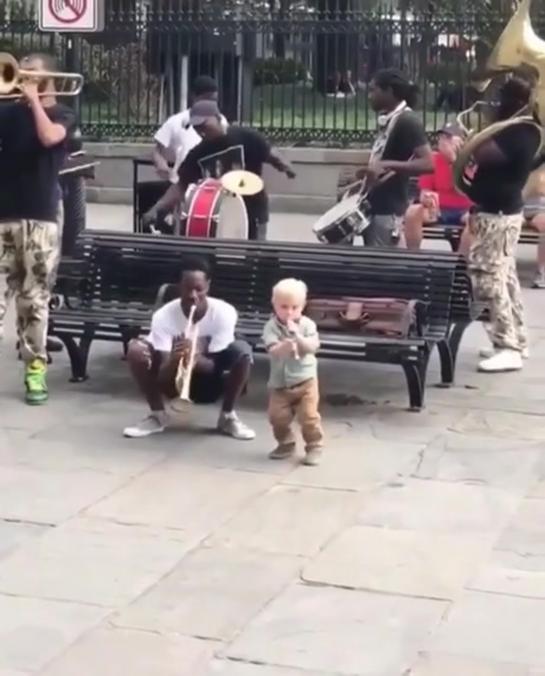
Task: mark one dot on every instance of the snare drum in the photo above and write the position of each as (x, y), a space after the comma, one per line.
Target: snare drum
(342, 222)
(212, 212)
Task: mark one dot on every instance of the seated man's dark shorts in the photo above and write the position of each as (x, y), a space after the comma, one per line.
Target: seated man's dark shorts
(207, 388)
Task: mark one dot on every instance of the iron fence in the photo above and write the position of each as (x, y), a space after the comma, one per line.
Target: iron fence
(299, 73)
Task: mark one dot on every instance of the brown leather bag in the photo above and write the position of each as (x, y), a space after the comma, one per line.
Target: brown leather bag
(392, 317)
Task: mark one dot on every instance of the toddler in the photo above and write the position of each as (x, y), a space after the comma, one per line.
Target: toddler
(292, 341)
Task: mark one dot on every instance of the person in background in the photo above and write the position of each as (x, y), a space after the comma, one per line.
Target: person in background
(401, 149)
(439, 200)
(177, 137)
(33, 135)
(219, 152)
(534, 215)
(292, 341)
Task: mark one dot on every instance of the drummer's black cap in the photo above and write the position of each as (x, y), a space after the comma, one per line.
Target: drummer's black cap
(201, 111)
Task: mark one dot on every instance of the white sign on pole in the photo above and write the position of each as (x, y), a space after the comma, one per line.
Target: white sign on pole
(72, 16)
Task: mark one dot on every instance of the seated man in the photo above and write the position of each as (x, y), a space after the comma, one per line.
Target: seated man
(534, 215)
(222, 364)
(439, 200)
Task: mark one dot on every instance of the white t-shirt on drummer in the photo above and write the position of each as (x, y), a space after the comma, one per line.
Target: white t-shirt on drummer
(178, 138)
(216, 328)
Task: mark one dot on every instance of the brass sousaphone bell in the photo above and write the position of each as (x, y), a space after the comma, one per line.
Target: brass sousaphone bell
(518, 45)
(12, 78)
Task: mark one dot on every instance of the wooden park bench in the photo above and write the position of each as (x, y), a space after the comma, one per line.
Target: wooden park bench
(108, 291)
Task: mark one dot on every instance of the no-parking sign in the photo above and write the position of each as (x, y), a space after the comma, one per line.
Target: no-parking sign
(74, 16)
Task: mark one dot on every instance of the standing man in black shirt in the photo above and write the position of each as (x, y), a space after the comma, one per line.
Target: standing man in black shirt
(32, 149)
(502, 166)
(400, 148)
(220, 151)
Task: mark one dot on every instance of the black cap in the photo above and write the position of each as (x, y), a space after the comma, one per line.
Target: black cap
(202, 111)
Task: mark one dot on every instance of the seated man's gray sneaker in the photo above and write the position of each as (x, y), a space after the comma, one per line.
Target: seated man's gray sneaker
(155, 423)
(231, 425)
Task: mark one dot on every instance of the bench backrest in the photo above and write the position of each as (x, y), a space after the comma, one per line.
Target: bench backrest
(127, 269)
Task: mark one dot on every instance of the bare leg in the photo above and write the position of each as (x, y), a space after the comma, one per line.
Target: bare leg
(141, 363)
(236, 382)
(414, 221)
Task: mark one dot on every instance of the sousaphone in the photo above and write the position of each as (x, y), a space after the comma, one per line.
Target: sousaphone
(518, 45)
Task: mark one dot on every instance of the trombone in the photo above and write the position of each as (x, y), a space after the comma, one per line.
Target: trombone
(12, 78)
(185, 368)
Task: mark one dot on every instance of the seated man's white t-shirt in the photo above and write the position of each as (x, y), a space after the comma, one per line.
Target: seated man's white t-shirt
(178, 138)
(216, 329)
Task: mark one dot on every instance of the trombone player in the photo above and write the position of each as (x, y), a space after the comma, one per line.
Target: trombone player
(33, 132)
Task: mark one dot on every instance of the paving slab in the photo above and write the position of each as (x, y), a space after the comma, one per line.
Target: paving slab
(92, 561)
(236, 668)
(525, 532)
(51, 497)
(451, 665)
(13, 534)
(511, 573)
(517, 426)
(400, 562)
(339, 631)
(184, 497)
(457, 508)
(110, 651)
(479, 460)
(33, 631)
(493, 627)
(357, 462)
(290, 520)
(212, 593)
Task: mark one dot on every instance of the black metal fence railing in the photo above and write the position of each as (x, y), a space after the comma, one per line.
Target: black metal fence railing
(300, 74)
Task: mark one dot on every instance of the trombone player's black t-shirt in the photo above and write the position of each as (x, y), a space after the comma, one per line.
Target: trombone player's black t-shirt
(29, 172)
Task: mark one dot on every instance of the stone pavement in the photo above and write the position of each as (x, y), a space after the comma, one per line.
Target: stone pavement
(417, 548)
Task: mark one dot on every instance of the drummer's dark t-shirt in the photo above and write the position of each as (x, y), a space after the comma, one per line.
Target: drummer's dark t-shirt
(29, 172)
(392, 197)
(238, 148)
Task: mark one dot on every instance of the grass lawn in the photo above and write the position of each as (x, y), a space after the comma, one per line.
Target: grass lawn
(278, 107)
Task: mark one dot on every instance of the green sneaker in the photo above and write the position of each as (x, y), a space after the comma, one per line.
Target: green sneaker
(35, 383)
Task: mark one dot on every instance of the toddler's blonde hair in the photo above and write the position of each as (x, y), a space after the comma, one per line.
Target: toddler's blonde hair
(294, 289)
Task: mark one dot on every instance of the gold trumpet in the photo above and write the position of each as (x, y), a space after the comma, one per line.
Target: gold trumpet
(185, 367)
(12, 78)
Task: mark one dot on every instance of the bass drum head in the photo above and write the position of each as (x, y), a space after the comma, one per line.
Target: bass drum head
(232, 218)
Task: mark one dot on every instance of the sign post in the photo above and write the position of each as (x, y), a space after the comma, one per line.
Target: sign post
(72, 16)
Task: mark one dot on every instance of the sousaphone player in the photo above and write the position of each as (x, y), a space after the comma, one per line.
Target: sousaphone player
(492, 170)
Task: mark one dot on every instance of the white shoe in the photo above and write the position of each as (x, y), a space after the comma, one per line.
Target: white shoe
(487, 352)
(231, 425)
(155, 423)
(502, 360)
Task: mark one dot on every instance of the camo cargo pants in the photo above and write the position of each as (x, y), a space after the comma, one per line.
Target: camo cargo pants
(493, 271)
(29, 252)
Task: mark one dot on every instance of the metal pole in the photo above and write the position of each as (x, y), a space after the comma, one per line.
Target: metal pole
(73, 65)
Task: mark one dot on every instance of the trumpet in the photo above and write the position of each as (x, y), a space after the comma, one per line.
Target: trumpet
(12, 78)
(185, 368)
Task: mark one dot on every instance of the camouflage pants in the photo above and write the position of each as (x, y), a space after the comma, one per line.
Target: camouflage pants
(29, 252)
(493, 271)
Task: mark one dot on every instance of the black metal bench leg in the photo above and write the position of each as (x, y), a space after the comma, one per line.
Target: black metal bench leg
(448, 363)
(77, 363)
(416, 373)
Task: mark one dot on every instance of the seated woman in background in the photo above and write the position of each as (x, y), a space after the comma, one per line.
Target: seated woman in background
(439, 201)
(534, 214)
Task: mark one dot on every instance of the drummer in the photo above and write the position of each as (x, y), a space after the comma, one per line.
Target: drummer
(221, 151)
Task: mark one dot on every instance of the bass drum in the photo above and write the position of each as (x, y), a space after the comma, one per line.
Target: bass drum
(213, 212)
